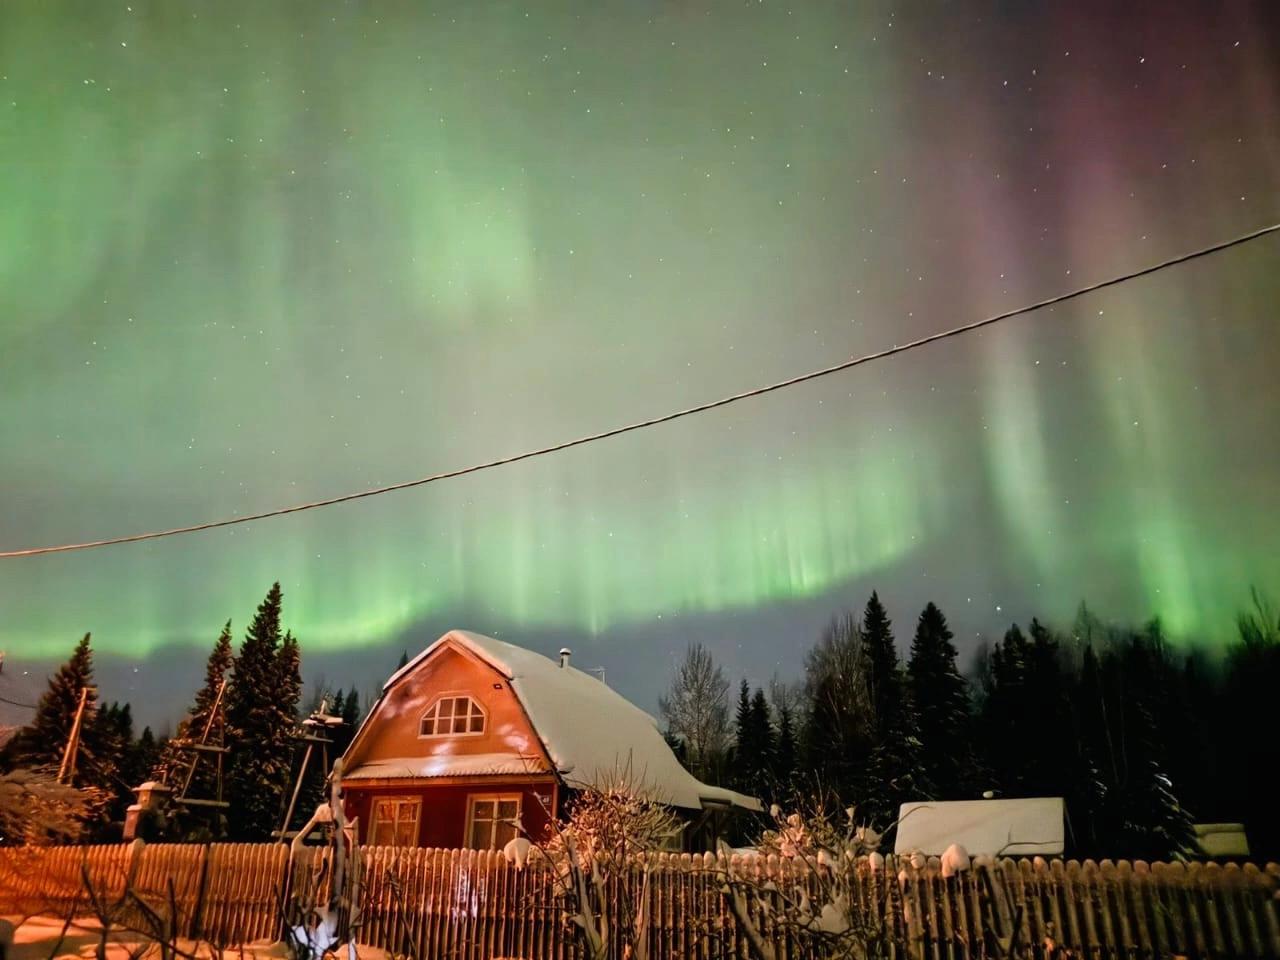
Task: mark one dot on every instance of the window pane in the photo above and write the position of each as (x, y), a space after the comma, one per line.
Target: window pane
(383, 823)
(503, 833)
(477, 724)
(507, 809)
(445, 708)
(428, 725)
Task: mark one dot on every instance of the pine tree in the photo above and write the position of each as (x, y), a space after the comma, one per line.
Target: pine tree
(941, 697)
(174, 763)
(348, 708)
(289, 673)
(260, 725)
(342, 735)
(143, 757)
(754, 746)
(312, 791)
(895, 771)
(742, 736)
(882, 671)
(108, 762)
(763, 744)
(1004, 713)
(42, 742)
(784, 757)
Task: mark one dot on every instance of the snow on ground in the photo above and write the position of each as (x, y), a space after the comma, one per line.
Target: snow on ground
(42, 938)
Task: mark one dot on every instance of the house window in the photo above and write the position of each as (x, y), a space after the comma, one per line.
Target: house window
(395, 821)
(451, 717)
(491, 820)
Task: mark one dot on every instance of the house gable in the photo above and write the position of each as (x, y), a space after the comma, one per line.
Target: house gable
(393, 731)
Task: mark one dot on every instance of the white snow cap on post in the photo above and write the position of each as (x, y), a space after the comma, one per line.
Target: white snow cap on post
(955, 859)
(565, 653)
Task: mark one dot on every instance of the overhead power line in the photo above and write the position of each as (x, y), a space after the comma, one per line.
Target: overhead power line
(15, 703)
(664, 418)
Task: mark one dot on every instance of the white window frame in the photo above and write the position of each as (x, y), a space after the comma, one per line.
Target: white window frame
(473, 799)
(475, 706)
(398, 799)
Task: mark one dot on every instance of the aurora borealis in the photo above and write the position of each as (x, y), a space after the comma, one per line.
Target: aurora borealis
(264, 252)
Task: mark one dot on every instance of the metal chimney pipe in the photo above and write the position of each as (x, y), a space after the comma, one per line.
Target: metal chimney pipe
(565, 653)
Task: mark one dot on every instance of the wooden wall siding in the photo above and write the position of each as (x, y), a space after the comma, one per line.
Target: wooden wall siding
(473, 905)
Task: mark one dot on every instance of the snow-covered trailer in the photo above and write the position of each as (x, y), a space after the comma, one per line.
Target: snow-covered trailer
(1032, 826)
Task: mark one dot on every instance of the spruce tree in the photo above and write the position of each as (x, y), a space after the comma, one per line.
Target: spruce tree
(1005, 715)
(941, 697)
(312, 791)
(174, 763)
(1051, 761)
(42, 742)
(742, 737)
(351, 710)
(757, 753)
(882, 671)
(260, 725)
(143, 756)
(784, 757)
(108, 759)
(289, 673)
(895, 771)
(350, 721)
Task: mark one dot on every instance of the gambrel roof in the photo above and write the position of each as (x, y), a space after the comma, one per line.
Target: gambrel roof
(592, 734)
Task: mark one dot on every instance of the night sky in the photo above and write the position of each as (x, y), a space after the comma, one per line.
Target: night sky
(264, 252)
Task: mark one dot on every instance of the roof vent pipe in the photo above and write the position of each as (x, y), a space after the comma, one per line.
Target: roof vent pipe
(565, 652)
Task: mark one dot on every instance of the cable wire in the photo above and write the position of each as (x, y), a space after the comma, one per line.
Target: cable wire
(664, 418)
(15, 703)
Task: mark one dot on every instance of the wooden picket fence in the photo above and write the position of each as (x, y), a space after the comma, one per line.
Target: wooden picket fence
(474, 905)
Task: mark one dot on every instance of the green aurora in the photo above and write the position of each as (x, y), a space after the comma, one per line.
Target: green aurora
(259, 253)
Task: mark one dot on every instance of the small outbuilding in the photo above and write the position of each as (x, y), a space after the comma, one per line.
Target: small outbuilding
(1032, 826)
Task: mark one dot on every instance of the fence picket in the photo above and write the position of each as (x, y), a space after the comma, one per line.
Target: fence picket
(463, 904)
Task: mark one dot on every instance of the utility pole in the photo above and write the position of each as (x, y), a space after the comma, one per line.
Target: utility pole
(67, 770)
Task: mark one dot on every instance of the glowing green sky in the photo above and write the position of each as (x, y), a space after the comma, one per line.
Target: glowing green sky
(253, 253)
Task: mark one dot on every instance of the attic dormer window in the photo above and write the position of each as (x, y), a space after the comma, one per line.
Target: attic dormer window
(451, 717)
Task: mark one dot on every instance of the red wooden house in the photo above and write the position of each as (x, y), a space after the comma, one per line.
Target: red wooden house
(475, 735)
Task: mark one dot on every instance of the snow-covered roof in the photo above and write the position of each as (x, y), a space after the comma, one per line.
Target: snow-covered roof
(592, 734)
(1015, 827)
(445, 765)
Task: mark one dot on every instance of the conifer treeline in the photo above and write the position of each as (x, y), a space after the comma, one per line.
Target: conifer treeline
(257, 720)
(1141, 740)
